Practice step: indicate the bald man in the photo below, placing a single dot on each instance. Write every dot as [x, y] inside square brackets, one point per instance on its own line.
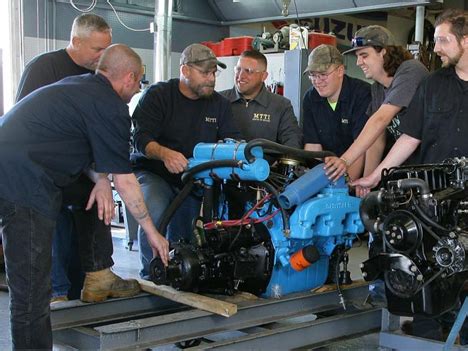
[46, 141]
[81, 243]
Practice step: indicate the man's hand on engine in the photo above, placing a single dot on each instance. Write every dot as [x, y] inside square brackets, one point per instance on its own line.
[335, 167]
[174, 161]
[102, 195]
[365, 184]
[160, 246]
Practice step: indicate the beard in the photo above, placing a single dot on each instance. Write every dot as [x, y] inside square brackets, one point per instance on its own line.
[203, 91]
[453, 61]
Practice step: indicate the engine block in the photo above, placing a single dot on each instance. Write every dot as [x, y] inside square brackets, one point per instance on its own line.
[419, 223]
[268, 230]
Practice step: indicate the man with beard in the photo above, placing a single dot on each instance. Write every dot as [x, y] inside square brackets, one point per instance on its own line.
[258, 112]
[335, 106]
[397, 76]
[438, 123]
[170, 119]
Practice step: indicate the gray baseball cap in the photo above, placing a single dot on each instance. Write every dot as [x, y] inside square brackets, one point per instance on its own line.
[322, 57]
[371, 36]
[200, 55]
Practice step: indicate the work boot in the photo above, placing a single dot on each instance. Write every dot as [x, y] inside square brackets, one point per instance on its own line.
[100, 285]
[57, 299]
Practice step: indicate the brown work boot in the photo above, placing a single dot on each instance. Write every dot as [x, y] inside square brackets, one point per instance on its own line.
[100, 285]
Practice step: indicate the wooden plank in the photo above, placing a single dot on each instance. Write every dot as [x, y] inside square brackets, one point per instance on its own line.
[332, 287]
[201, 302]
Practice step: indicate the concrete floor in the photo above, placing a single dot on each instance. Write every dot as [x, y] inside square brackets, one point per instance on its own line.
[127, 266]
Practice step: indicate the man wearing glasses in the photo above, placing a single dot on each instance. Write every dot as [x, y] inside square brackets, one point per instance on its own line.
[335, 106]
[170, 119]
[396, 77]
[437, 124]
[258, 112]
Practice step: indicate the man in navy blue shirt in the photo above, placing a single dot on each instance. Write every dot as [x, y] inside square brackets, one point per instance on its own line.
[170, 119]
[335, 106]
[81, 242]
[46, 141]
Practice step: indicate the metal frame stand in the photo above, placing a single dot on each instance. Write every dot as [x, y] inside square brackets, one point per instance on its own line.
[389, 338]
[259, 324]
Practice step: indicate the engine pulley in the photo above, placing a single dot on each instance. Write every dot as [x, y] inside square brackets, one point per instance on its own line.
[402, 231]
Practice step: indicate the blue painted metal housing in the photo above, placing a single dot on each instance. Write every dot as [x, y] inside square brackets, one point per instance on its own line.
[321, 214]
[229, 150]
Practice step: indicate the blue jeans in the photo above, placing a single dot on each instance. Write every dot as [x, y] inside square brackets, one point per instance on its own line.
[158, 195]
[27, 243]
[61, 253]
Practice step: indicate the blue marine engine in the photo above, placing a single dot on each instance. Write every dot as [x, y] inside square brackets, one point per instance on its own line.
[269, 223]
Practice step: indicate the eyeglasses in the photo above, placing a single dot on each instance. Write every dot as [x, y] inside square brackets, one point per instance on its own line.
[361, 41]
[321, 76]
[247, 71]
[442, 40]
[206, 74]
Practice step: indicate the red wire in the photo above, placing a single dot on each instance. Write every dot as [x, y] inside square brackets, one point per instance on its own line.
[245, 218]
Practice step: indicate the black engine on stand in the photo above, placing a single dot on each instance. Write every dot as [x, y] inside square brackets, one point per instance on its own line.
[419, 223]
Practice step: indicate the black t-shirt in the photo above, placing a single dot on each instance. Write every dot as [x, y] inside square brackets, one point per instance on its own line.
[166, 116]
[336, 130]
[46, 69]
[49, 137]
[439, 117]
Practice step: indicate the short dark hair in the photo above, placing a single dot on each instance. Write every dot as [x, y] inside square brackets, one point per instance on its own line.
[86, 23]
[458, 20]
[394, 56]
[256, 55]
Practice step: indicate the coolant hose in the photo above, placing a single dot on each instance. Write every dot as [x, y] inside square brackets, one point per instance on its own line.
[170, 210]
[369, 210]
[208, 165]
[291, 151]
[413, 183]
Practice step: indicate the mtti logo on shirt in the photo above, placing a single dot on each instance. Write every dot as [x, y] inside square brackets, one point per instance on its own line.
[261, 117]
[210, 119]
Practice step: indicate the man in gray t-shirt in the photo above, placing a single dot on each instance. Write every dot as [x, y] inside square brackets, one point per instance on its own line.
[399, 93]
[396, 75]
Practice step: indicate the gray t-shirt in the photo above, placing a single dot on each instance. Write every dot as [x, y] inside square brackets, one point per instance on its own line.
[399, 93]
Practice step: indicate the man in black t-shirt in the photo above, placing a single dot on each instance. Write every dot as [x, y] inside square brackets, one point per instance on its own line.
[170, 119]
[90, 36]
[46, 141]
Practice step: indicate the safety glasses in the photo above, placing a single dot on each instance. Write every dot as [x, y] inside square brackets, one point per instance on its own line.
[358, 42]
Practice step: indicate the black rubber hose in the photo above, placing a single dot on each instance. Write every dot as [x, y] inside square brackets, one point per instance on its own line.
[291, 151]
[427, 219]
[208, 196]
[170, 210]
[209, 165]
[413, 183]
[368, 210]
[275, 193]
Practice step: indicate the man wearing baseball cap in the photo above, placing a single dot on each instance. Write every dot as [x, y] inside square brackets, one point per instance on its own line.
[396, 77]
[170, 119]
[335, 106]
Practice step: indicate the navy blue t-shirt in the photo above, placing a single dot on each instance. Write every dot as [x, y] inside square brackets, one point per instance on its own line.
[336, 130]
[56, 132]
[166, 116]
